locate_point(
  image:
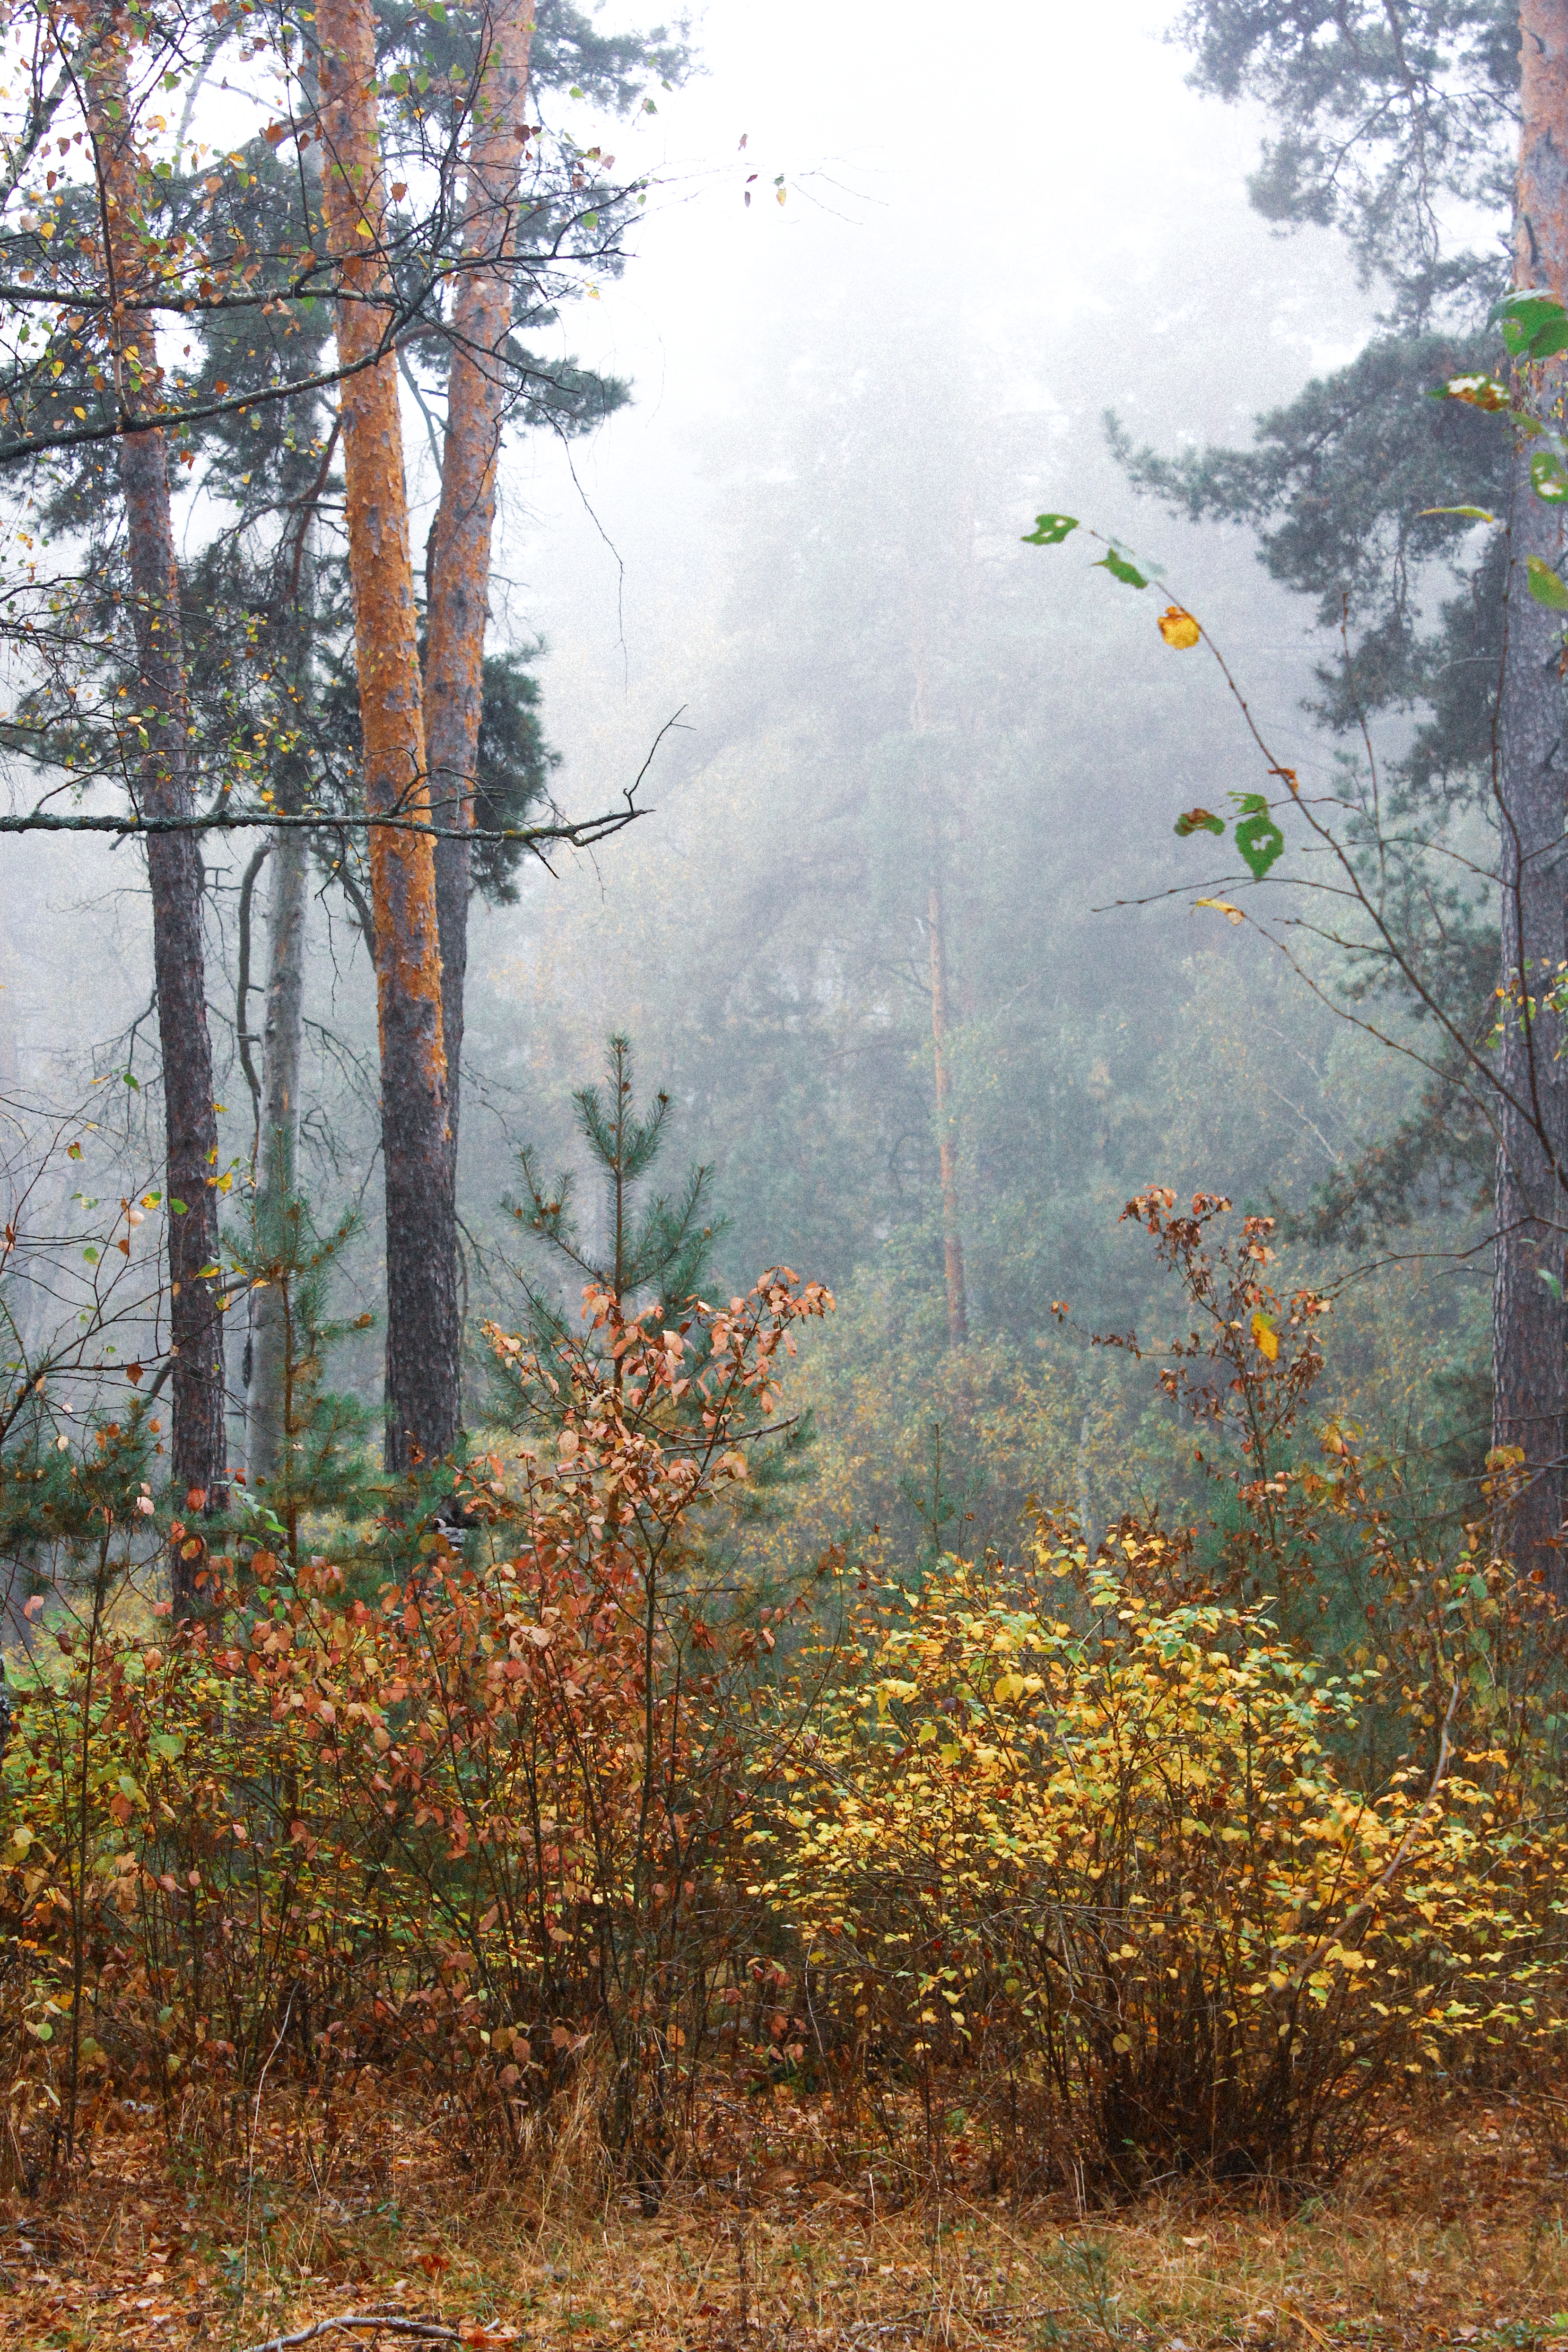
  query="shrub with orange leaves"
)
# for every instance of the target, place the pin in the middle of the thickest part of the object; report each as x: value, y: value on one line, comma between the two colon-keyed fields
x: 465, y: 1831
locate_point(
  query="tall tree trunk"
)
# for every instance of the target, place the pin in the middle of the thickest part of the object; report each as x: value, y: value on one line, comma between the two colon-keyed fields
x: 421, y: 1274
x: 458, y: 588
x: 946, y: 1127
x: 282, y: 1037
x: 174, y: 860
x: 1529, y: 1318
x: 267, y: 1385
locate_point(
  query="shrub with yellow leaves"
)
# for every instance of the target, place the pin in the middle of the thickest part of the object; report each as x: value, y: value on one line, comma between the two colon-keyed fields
x: 1104, y: 1858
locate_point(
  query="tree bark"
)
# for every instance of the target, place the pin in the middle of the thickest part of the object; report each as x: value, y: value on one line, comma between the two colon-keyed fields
x: 947, y: 1137
x: 282, y: 1036
x: 173, y: 861
x: 421, y: 1283
x: 1530, y: 1318
x: 458, y: 587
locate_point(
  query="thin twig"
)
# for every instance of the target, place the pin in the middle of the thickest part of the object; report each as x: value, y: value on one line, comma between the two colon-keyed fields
x: 427, y: 2331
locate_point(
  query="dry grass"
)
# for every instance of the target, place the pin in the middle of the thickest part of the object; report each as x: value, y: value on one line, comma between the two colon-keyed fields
x: 1456, y: 2233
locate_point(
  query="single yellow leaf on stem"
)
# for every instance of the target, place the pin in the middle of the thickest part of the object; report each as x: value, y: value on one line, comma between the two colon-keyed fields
x: 1179, y: 628
x: 1268, y: 1338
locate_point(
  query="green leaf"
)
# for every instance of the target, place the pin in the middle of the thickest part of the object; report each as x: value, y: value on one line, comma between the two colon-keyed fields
x: 91, y: 1255
x: 1050, y: 529
x: 169, y: 1745
x: 1548, y: 477
x: 132, y: 1082
x: 1119, y: 569
x: 178, y: 1209
x: 1534, y: 326
x: 1551, y: 1282
x: 1471, y: 514
x: 1545, y: 586
x: 1260, y: 842
x: 206, y: 1270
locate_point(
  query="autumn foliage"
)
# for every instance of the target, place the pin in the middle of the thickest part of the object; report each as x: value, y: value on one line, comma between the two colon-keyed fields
x: 1112, y: 1861
x: 570, y: 1808
x: 457, y: 1831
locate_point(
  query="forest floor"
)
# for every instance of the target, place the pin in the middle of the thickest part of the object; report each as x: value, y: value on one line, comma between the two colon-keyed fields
x: 1453, y: 2233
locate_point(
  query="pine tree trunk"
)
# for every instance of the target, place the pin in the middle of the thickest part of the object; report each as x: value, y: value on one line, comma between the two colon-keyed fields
x: 460, y: 565
x: 1529, y: 1319
x: 174, y: 860
x: 282, y: 1037
x: 421, y: 1274
x: 946, y: 1126
x: 947, y: 1137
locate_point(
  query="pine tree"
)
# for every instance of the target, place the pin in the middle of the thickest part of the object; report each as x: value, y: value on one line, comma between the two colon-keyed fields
x: 656, y: 1249
x: 1382, y: 116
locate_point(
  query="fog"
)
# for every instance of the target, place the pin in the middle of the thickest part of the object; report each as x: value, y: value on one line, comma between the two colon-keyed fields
x: 845, y: 406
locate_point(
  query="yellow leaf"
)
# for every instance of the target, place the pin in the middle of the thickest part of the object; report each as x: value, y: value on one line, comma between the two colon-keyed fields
x: 1222, y: 907
x: 1179, y: 628
x: 1268, y: 1338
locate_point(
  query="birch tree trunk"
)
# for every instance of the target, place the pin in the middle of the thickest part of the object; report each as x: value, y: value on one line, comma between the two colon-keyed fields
x: 173, y: 861
x: 421, y: 1273
x: 1529, y: 1318
x: 461, y: 561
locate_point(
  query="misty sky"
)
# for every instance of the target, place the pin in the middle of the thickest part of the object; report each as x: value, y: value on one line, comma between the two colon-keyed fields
x: 1050, y: 203
x: 1052, y: 197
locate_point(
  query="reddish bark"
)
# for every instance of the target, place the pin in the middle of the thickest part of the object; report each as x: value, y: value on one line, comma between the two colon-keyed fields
x: 421, y: 1273
x: 460, y: 560
x: 174, y: 860
x: 1529, y: 1318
